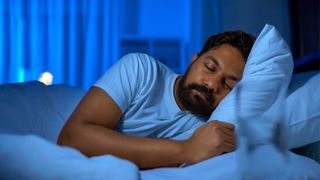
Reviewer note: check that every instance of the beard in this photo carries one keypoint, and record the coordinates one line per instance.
(199, 105)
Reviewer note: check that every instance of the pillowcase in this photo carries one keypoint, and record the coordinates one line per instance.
(302, 124)
(268, 70)
(20, 107)
(34, 108)
(266, 76)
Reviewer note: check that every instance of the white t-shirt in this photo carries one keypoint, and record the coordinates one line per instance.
(143, 88)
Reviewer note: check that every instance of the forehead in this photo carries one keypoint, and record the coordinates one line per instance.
(226, 53)
(227, 57)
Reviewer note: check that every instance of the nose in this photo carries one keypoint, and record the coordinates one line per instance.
(213, 83)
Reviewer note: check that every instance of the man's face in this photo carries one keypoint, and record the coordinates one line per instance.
(209, 79)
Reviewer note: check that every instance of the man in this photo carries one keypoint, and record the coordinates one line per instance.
(137, 108)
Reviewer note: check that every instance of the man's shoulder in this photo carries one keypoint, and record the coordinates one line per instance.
(143, 61)
(138, 58)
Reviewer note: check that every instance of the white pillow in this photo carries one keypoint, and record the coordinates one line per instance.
(268, 70)
(302, 125)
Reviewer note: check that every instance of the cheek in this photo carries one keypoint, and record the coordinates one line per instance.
(194, 75)
(239, 69)
(222, 95)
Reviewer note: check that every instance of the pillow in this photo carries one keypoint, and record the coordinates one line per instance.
(34, 108)
(302, 125)
(268, 70)
(267, 74)
(20, 106)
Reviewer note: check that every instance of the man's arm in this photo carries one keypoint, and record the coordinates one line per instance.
(90, 130)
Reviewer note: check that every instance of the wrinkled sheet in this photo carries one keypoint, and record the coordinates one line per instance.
(226, 166)
(31, 157)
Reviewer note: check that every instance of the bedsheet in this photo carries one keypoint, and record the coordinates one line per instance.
(32, 157)
(227, 165)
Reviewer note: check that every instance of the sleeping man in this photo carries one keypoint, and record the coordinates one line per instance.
(136, 109)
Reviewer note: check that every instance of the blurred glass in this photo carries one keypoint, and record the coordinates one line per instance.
(262, 152)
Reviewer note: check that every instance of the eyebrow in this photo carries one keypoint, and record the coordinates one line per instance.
(216, 62)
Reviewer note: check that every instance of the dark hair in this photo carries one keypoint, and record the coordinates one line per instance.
(238, 39)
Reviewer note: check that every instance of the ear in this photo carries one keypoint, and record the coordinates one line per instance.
(194, 57)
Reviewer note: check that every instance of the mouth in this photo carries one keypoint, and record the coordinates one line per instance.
(202, 95)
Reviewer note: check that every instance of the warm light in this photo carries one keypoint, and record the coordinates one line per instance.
(46, 78)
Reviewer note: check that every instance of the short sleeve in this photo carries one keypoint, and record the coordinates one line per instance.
(122, 80)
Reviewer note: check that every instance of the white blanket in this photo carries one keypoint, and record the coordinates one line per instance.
(32, 157)
(227, 167)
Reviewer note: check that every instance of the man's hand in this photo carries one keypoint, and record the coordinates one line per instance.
(211, 139)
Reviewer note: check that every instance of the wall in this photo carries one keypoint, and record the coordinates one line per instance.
(251, 15)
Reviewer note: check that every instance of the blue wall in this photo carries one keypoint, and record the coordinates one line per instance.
(78, 40)
(251, 15)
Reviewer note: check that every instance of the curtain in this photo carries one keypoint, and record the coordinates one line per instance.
(71, 39)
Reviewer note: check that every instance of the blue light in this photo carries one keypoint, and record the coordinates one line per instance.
(78, 40)
(21, 75)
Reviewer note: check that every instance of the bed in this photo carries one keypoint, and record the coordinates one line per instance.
(32, 115)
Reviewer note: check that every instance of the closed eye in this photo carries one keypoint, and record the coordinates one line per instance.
(212, 69)
(230, 84)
